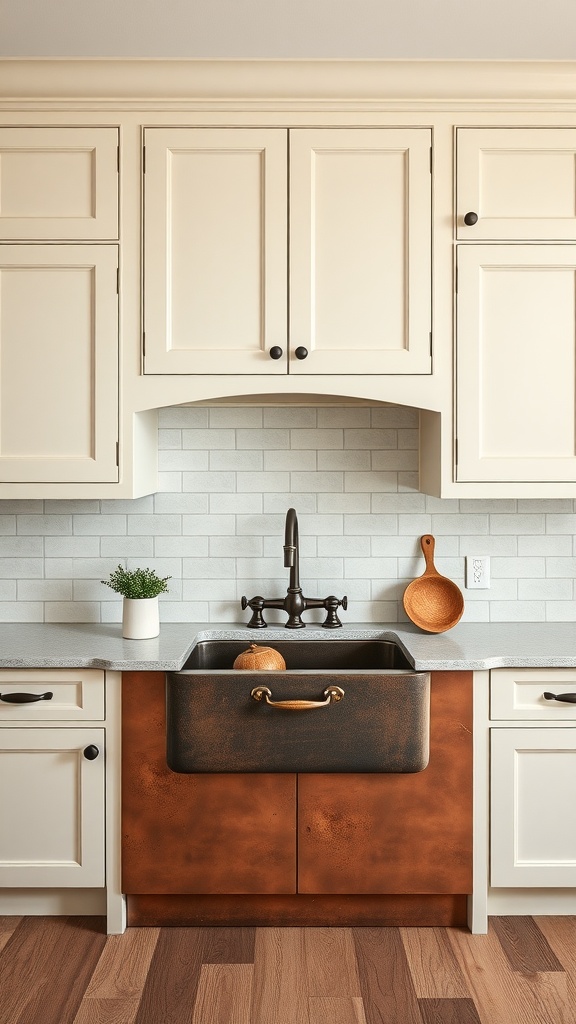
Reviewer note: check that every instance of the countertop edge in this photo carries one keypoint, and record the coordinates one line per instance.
(466, 647)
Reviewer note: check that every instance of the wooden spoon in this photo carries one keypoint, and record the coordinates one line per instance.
(433, 602)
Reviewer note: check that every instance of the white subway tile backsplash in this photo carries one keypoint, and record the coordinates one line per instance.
(344, 546)
(288, 416)
(262, 482)
(187, 503)
(94, 526)
(176, 460)
(234, 459)
(247, 416)
(180, 547)
(21, 611)
(359, 503)
(81, 547)
(370, 482)
(326, 437)
(12, 547)
(156, 523)
(71, 611)
(355, 460)
(262, 439)
(43, 525)
(394, 416)
(198, 526)
(43, 590)
(208, 438)
(320, 481)
(545, 545)
(228, 474)
(291, 459)
(355, 416)
(183, 416)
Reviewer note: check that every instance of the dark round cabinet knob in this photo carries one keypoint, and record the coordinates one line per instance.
(301, 352)
(276, 352)
(470, 218)
(91, 752)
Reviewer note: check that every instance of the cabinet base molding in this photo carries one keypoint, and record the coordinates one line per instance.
(555, 902)
(53, 902)
(283, 911)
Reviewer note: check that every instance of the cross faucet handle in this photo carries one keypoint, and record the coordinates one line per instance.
(331, 605)
(257, 604)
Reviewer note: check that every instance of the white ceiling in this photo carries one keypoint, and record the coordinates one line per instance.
(464, 29)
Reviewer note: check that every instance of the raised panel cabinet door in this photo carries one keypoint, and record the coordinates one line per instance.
(59, 183)
(360, 250)
(516, 363)
(58, 363)
(51, 807)
(215, 250)
(197, 833)
(533, 813)
(396, 833)
(519, 182)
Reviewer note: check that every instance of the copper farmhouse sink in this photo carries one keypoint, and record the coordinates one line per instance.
(339, 706)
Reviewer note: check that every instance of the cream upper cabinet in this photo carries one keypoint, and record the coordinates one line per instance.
(516, 363)
(271, 250)
(516, 305)
(516, 183)
(58, 363)
(58, 183)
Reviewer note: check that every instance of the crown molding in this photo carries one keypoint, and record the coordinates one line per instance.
(421, 82)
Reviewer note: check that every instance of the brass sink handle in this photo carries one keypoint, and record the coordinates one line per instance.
(332, 694)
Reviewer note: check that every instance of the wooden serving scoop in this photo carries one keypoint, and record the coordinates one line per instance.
(433, 602)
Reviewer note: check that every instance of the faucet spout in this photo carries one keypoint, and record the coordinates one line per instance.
(291, 549)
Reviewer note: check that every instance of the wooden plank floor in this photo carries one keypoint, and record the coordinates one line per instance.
(57, 970)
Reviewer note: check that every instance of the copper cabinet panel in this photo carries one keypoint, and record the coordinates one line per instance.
(197, 834)
(396, 833)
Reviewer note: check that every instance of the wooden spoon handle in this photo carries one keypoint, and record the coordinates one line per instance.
(427, 543)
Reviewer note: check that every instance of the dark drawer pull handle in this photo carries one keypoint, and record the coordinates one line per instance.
(25, 698)
(470, 218)
(331, 693)
(91, 752)
(566, 698)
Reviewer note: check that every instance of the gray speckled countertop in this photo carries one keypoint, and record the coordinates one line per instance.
(466, 646)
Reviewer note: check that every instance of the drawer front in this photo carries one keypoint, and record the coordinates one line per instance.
(518, 694)
(77, 695)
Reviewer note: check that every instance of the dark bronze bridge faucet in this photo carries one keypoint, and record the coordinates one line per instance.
(294, 603)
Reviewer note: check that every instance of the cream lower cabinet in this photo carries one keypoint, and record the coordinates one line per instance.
(52, 807)
(52, 778)
(532, 769)
(58, 363)
(516, 363)
(273, 250)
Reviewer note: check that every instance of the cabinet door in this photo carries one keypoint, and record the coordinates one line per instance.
(59, 183)
(215, 228)
(360, 250)
(533, 814)
(51, 808)
(521, 183)
(516, 363)
(396, 833)
(197, 833)
(58, 363)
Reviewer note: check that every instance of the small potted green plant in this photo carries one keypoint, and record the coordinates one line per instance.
(140, 589)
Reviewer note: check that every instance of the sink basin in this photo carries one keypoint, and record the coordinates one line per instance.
(330, 655)
(339, 706)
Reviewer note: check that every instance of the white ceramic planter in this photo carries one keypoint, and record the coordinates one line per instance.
(140, 618)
